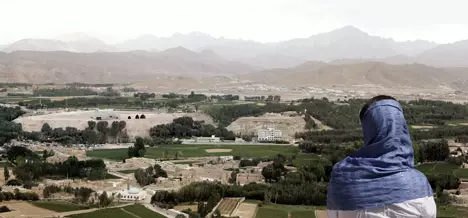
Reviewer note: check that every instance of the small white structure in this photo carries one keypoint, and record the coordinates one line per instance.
(225, 158)
(212, 139)
(239, 140)
(132, 194)
(269, 134)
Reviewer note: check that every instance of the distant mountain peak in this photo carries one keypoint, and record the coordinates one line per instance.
(349, 30)
(178, 50)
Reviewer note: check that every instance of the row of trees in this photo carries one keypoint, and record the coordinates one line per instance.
(269, 98)
(81, 194)
(9, 130)
(225, 97)
(144, 96)
(69, 91)
(30, 167)
(17, 195)
(99, 132)
(185, 127)
(429, 151)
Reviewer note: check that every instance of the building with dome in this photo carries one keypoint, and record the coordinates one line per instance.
(132, 194)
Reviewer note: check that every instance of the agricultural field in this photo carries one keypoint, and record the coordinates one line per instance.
(131, 211)
(252, 150)
(285, 211)
(271, 213)
(228, 205)
(59, 206)
(437, 168)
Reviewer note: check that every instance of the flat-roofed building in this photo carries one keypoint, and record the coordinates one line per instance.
(269, 134)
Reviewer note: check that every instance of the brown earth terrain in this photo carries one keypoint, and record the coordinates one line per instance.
(79, 120)
(289, 125)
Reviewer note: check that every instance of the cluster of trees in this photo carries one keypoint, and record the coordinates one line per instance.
(138, 149)
(17, 195)
(332, 152)
(144, 96)
(331, 136)
(185, 127)
(9, 130)
(249, 162)
(344, 115)
(439, 132)
(226, 114)
(274, 171)
(69, 91)
(81, 194)
(149, 175)
(433, 112)
(15, 85)
(88, 102)
(129, 89)
(284, 192)
(429, 151)
(225, 97)
(99, 132)
(269, 98)
(172, 95)
(32, 169)
(105, 200)
(110, 92)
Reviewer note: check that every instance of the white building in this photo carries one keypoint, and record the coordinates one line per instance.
(132, 194)
(269, 134)
(212, 139)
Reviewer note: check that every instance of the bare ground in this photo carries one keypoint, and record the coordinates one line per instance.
(218, 150)
(246, 210)
(24, 209)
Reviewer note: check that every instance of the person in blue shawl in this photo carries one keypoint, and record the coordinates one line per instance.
(379, 180)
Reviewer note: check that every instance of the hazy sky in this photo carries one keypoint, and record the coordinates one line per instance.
(260, 20)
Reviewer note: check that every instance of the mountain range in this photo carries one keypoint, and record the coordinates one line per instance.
(347, 43)
(97, 67)
(346, 56)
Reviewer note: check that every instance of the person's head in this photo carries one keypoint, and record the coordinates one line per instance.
(371, 101)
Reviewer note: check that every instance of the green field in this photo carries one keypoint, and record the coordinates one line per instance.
(305, 159)
(271, 213)
(297, 211)
(124, 212)
(58, 206)
(283, 211)
(200, 151)
(302, 214)
(440, 168)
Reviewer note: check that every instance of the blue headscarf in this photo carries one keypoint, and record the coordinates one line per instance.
(382, 172)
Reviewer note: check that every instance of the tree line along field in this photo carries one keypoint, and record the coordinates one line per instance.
(440, 168)
(284, 211)
(59, 206)
(186, 151)
(131, 211)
